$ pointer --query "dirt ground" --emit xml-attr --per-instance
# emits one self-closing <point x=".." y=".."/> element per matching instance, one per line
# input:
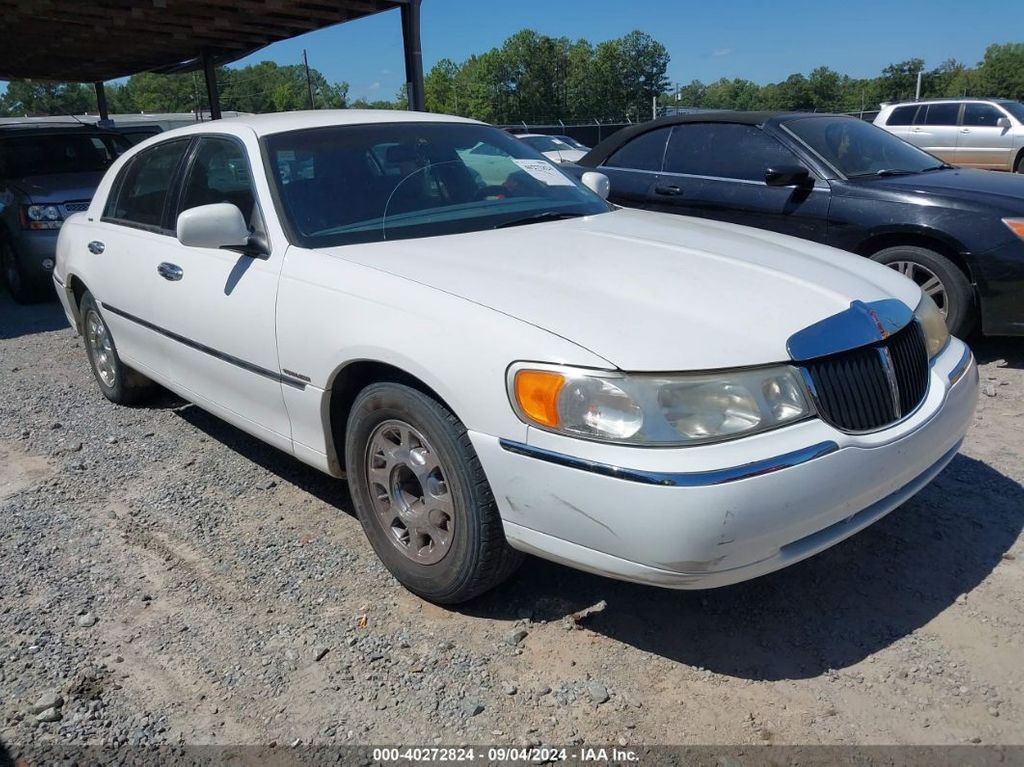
<point x="173" y="580"/>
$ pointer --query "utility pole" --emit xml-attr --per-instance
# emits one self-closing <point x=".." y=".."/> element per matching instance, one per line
<point x="917" y="94"/>
<point x="309" y="80"/>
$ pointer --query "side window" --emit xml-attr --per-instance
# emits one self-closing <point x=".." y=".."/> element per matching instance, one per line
<point x="981" y="115"/>
<point x="725" y="150"/>
<point x="140" y="193"/>
<point x="219" y="173"/>
<point x="642" y="153"/>
<point x="940" y="114"/>
<point x="902" y="115"/>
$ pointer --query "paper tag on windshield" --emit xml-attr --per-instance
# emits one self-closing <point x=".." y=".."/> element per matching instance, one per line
<point x="544" y="172"/>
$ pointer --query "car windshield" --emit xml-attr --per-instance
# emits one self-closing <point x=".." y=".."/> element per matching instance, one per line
<point x="1015" y="108"/>
<point x="545" y="143"/>
<point x="368" y="183"/>
<point x="50" y="153"/>
<point x="858" y="149"/>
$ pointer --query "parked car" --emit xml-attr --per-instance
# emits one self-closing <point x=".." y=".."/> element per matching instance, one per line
<point x="974" y="133"/>
<point x="47" y="172"/>
<point x="958" y="233"/>
<point x="658" y="399"/>
<point x="552" y="147"/>
<point x="573" y="143"/>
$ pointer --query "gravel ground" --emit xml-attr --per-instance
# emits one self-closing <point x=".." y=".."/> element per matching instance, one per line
<point x="169" y="579"/>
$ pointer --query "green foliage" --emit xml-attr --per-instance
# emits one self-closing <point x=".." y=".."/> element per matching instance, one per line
<point x="534" y="77"/>
<point x="262" y="87"/>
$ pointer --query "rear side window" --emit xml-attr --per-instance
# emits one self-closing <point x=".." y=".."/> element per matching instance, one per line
<point x="902" y="115"/>
<point x="140" y="192"/>
<point x="940" y="114"/>
<point x="724" y="150"/>
<point x="981" y="115"/>
<point x="644" y="152"/>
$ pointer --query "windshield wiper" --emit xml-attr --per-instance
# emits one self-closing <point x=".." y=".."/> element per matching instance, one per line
<point x="941" y="166"/>
<point x="536" y="218"/>
<point x="895" y="172"/>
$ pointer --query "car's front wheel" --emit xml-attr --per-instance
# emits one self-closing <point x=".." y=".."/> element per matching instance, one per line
<point x="422" y="497"/>
<point x="118" y="382"/>
<point x="940" y="278"/>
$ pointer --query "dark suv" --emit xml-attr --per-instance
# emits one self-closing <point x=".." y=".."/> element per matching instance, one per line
<point x="47" y="172"/>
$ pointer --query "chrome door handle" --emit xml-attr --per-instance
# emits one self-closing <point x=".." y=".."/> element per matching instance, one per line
<point x="965" y="130"/>
<point x="96" y="247"/>
<point x="171" y="272"/>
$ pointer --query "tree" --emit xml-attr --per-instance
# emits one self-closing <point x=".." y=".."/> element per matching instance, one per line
<point x="1001" y="72"/>
<point x="899" y="81"/>
<point x="28" y="98"/>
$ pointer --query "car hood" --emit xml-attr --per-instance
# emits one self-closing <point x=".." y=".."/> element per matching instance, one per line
<point x="984" y="186"/>
<point x="564" y="155"/>
<point x="647" y="291"/>
<point x="59" y="187"/>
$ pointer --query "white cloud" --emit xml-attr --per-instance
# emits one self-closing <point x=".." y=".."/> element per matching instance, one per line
<point x="721" y="52"/>
<point x="375" y="86"/>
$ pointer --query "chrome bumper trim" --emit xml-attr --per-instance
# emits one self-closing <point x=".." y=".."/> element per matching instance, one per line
<point x="676" y="479"/>
<point x="961" y="367"/>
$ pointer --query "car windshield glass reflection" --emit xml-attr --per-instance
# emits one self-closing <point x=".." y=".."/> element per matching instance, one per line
<point x="1015" y="108"/>
<point x="857" y="149"/>
<point x="350" y="184"/>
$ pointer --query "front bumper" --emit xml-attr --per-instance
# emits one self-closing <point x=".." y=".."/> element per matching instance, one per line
<point x="709" y="516"/>
<point x="36" y="249"/>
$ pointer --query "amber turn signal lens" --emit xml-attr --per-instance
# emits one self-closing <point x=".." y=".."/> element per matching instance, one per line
<point x="537" y="395"/>
<point x="1016" y="225"/>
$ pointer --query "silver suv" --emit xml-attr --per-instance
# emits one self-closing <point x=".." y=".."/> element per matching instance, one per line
<point x="977" y="133"/>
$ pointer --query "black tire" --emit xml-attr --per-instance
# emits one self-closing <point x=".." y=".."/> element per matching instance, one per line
<point x="957" y="298"/>
<point x="125" y="385"/>
<point x="22" y="290"/>
<point x="1019" y="165"/>
<point x="477" y="555"/>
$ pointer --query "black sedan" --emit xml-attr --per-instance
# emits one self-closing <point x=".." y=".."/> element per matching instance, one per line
<point x="837" y="180"/>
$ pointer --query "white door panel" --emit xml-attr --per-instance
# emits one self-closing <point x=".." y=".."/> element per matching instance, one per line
<point x="124" y="287"/>
<point x="221" y="316"/>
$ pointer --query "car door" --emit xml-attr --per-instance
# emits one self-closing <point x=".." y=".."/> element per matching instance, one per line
<point x="982" y="142"/>
<point x="936" y="128"/>
<point x="717" y="170"/>
<point x="218" y="305"/>
<point x="131" y="239"/>
<point x="634" y="167"/>
<point x="901" y="120"/>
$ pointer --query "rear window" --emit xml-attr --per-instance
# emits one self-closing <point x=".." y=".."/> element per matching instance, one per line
<point x="940" y="114"/>
<point x="902" y="115"/>
<point x="49" y="154"/>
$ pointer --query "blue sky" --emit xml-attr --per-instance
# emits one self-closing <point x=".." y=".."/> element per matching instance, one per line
<point x="759" y="40"/>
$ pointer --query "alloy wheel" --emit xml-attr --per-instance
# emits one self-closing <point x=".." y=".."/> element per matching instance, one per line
<point x="409" y="492"/>
<point x="98" y="338"/>
<point x="926" y="279"/>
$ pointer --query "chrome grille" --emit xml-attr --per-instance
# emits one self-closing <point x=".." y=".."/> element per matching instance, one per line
<point x="872" y="386"/>
<point x="75" y="207"/>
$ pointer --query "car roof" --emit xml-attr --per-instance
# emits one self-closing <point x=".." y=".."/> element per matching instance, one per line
<point x="282" y="122"/>
<point x="941" y="99"/>
<point x="49" y="129"/>
<point x="599" y="153"/>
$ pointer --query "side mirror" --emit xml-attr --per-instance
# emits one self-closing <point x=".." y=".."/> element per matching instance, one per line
<point x="1004" y="122"/>
<point x="787" y="175"/>
<point x="220" y="225"/>
<point x="597" y="183"/>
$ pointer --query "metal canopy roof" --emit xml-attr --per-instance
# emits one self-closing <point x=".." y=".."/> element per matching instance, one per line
<point x="106" y="39"/>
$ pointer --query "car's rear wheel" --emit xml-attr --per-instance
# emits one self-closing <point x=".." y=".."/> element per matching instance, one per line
<point x="22" y="290"/>
<point x="118" y="382"/>
<point x="940" y="278"/>
<point x="422" y="497"/>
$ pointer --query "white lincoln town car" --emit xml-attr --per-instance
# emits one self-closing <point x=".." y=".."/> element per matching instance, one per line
<point x="499" y="361"/>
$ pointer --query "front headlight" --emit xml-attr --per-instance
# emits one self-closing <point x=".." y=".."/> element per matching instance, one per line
<point x="936" y="334"/>
<point x="652" y="409"/>
<point x="41" y="217"/>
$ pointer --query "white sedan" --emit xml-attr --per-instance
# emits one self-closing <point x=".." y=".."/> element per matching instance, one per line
<point x="552" y="147"/>
<point x="513" y="367"/>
